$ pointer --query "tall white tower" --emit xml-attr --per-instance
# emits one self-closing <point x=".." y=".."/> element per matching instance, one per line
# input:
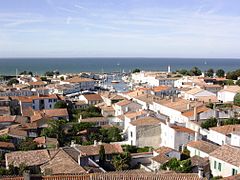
<point x="169" y="69"/>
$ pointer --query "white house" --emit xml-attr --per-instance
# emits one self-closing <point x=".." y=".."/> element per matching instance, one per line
<point x="198" y="93"/>
<point x="222" y="134"/>
<point x="235" y="138"/>
<point x="227" y="94"/>
<point x="144" y="132"/>
<point x="201" y="148"/>
<point x="124" y="106"/>
<point x="175" y="137"/>
<point x="224" y="161"/>
<point x="80" y="83"/>
<point x="161" y="156"/>
<point x="91" y="99"/>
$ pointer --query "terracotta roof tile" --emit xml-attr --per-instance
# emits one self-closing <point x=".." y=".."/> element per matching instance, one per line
<point x="227" y="154"/>
<point x="204" y="146"/>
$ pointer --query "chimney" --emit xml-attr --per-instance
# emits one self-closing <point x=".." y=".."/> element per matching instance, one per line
<point x="80" y="118"/>
<point x="195" y="114"/>
<point x="95" y="142"/>
<point x="200" y="172"/>
<point x="188" y="106"/>
<point x="196" y="135"/>
<point x="168" y="122"/>
<point x="173" y="99"/>
<point x="26" y="175"/>
<point x="72" y="143"/>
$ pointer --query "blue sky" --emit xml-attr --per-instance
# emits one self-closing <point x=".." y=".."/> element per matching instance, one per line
<point x="120" y="28"/>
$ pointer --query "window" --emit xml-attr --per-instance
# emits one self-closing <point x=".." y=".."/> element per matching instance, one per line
<point x="219" y="166"/>
<point x="50" y="106"/>
<point x="234" y="172"/>
<point x="131" y="134"/>
<point x="50" y="100"/>
<point x="215" y="165"/>
<point x="33" y="107"/>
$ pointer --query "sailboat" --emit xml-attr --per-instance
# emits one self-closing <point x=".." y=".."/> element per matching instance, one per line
<point x="115" y="81"/>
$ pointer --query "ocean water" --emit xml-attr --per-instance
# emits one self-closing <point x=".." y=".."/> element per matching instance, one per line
<point x="8" y="66"/>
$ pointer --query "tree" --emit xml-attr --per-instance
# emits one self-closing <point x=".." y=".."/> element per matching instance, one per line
<point x="122" y="161"/>
<point x="212" y="122"/>
<point x="136" y="70"/>
<point x="27" y="145"/>
<point x="236" y="100"/>
<point x="229" y="82"/>
<point x="209" y="73"/>
<point x="111" y="134"/>
<point x="60" y="104"/>
<point x="102" y="155"/>
<point x="12" y="81"/>
<point x="238" y="82"/>
<point x="26" y="73"/>
<point x="178" y="165"/>
<point x="61" y="78"/>
<point x="195" y="71"/>
<point x="183" y="72"/>
<point x="55" y="129"/>
<point x="220" y="73"/>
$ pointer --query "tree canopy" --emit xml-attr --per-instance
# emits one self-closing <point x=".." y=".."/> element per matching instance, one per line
<point x="209" y="73"/>
<point x="60" y="104"/>
<point x="236" y="100"/>
<point x="220" y="73"/>
<point x="12" y="81"/>
<point x="122" y="161"/>
<point x="136" y="70"/>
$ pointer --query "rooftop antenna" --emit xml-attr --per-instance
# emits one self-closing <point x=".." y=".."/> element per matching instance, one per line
<point x="16" y="73"/>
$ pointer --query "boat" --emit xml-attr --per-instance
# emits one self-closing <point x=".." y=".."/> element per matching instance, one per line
<point x="115" y="81"/>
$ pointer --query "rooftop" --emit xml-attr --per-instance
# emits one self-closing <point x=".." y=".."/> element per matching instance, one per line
<point x="204" y="146"/>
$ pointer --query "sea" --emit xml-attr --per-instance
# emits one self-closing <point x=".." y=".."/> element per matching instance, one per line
<point x="39" y="66"/>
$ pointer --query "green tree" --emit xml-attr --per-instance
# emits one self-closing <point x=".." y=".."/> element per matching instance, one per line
<point x="111" y="134"/>
<point x="236" y="100"/>
<point x="55" y="129"/>
<point x="61" y="78"/>
<point x="122" y="161"/>
<point x="209" y="73"/>
<point x="136" y="70"/>
<point x="27" y="145"/>
<point x="178" y="166"/>
<point x="12" y="81"/>
<point x="195" y="71"/>
<point x="60" y="104"/>
<point x="212" y="122"/>
<point x="238" y="82"/>
<point x="183" y="72"/>
<point x="229" y="82"/>
<point x="220" y="73"/>
<point x="102" y="155"/>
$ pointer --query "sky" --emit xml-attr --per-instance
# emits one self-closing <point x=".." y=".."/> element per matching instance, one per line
<point x="120" y="28"/>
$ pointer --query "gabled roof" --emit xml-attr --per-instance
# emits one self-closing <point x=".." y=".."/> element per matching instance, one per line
<point x="227" y="129"/>
<point x="233" y="89"/>
<point x="55" y="112"/>
<point x="93" y="150"/>
<point x="29" y="158"/>
<point x="228" y="154"/>
<point x="123" y="103"/>
<point x="182" y="129"/>
<point x="62" y="163"/>
<point x="146" y="121"/>
<point x="194" y="91"/>
<point x="200" y="109"/>
<point x="93" y="97"/>
<point x="203" y="146"/>
<point x="78" y="79"/>
<point x="162" y="156"/>
<point x="135" y="114"/>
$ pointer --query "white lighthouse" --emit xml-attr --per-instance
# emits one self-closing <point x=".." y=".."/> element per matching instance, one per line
<point x="169" y="69"/>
